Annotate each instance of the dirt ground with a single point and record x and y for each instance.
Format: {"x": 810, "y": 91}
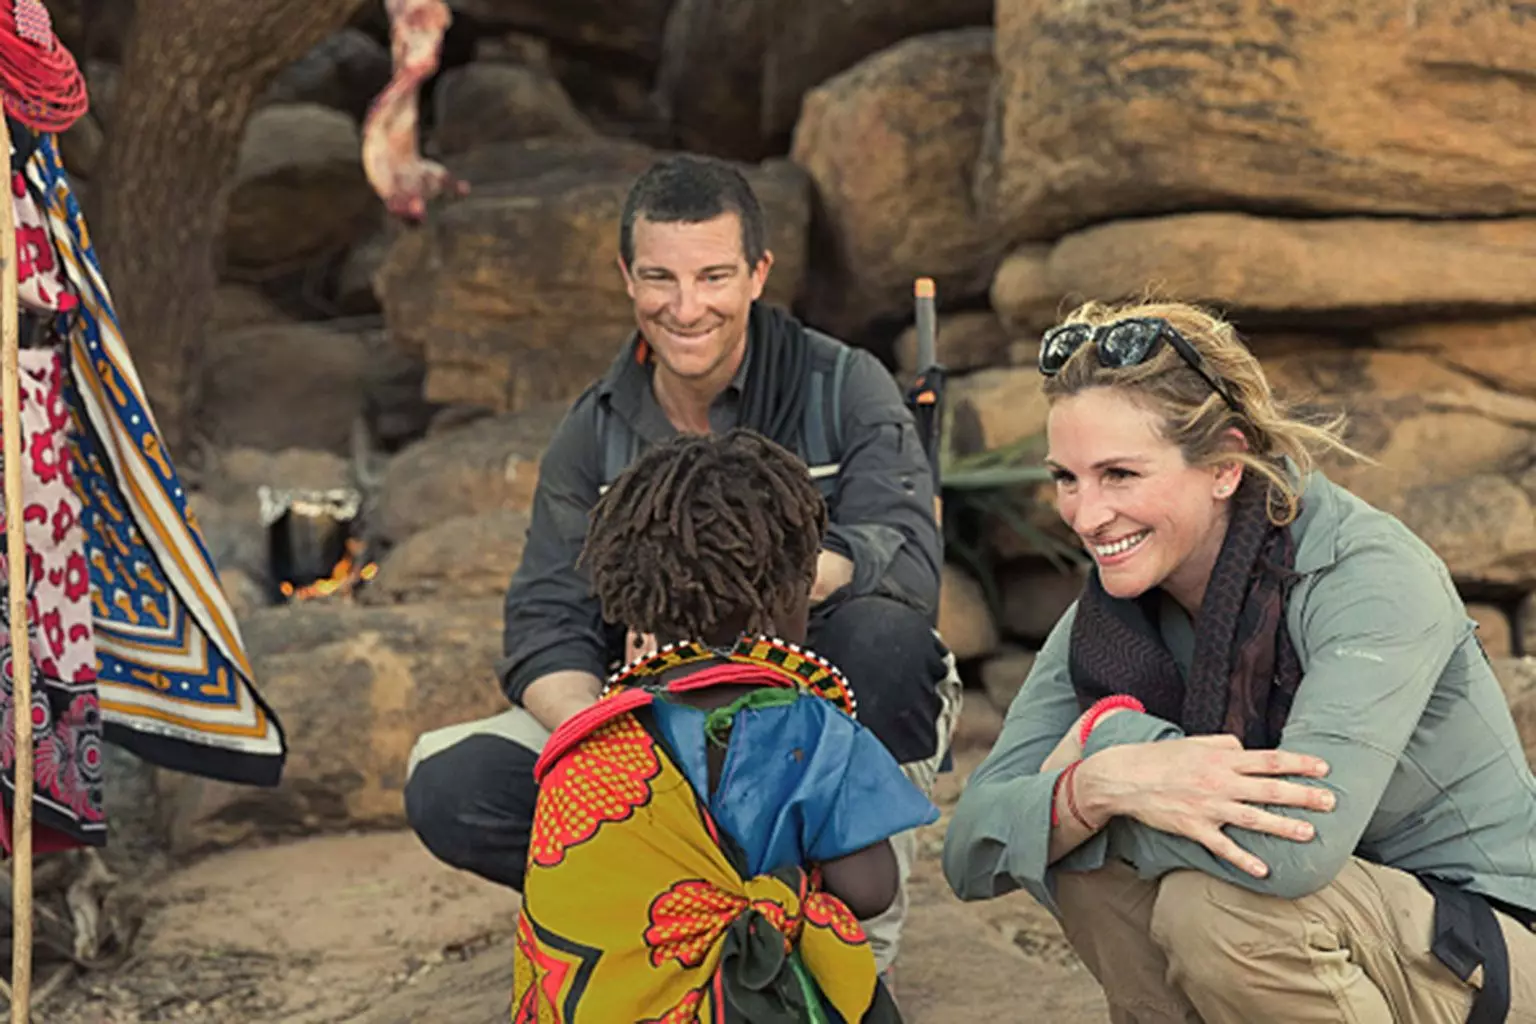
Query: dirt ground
{"x": 370, "y": 929}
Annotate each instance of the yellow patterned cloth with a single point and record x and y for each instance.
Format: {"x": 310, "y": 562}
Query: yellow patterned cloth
{"x": 636, "y": 908}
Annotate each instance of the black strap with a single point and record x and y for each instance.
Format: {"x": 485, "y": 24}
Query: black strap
{"x": 1467, "y": 937}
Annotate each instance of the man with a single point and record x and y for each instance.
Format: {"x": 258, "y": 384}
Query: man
{"x": 708, "y": 357}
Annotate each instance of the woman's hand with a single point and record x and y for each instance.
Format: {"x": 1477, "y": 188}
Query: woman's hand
{"x": 1070, "y": 748}
{"x": 1194, "y": 786}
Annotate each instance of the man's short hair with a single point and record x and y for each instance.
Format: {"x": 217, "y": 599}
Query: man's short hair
{"x": 691, "y": 189}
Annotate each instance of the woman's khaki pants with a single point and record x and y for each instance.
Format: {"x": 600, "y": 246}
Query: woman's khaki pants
{"x": 1190, "y": 948}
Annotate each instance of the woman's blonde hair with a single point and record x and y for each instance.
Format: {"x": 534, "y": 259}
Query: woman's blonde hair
{"x": 1196, "y": 418}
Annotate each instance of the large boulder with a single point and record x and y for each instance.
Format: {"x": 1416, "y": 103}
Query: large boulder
{"x": 1334, "y": 106}
{"x": 513, "y": 294}
{"x": 633, "y": 28}
{"x": 304, "y": 385}
{"x": 345, "y": 71}
{"x": 965, "y": 621}
{"x": 460, "y": 558}
{"x": 486, "y": 466}
{"x": 1381, "y": 269}
{"x": 1518, "y": 677}
{"x": 995, "y": 408}
{"x": 487, "y": 102}
{"x": 919, "y": 105}
{"x": 733, "y": 72}
{"x": 966, "y": 341}
{"x": 354, "y": 687}
{"x": 299, "y": 190}
{"x": 1500, "y": 351}
{"x": 1446, "y": 449}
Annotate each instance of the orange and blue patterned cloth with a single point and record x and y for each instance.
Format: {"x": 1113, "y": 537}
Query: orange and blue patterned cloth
{"x": 172, "y": 680}
{"x": 650, "y": 898}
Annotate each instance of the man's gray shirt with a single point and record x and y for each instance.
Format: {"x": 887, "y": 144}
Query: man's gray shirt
{"x": 881, "y": 508}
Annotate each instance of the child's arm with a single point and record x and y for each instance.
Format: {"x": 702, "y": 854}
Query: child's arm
{"x": 864, "y": 880}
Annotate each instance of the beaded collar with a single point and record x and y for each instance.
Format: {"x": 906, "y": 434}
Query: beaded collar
{"x": 800, "y": 666}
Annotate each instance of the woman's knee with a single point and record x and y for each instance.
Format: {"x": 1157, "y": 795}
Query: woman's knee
{"x": 1203, "y": 925}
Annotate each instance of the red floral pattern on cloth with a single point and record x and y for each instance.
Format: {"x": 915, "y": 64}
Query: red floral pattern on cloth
{"x": 604, "y": 780}
{"x": 689, "y": 918}
{"x": 39, "y": 278}
{"x": 685, "y": 1012}
{"x": 66, "y": 717}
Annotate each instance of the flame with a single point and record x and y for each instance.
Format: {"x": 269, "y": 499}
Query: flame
{"x": 344, "y": 577}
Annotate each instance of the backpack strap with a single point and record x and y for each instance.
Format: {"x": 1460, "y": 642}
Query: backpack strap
{"x": 822, "y": 432}
{"x": 620, "y": 445}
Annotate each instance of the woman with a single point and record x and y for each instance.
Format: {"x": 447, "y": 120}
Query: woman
{"x": 709, "y": 834}
{"x": 1262, "y": 767}
{"x": 131, "y": 638}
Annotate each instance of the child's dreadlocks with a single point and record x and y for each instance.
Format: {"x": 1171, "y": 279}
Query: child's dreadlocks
{"x": 703, "y": 531}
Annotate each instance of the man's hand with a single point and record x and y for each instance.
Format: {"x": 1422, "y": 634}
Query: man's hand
{"x": 553, "y": 698}
{"x": 833, "y": 571}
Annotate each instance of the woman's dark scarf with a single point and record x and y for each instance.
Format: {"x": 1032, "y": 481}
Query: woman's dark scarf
{"x": 1245, "y": 672}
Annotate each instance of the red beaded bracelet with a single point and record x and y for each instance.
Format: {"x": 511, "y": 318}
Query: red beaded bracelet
{"x": 1103, "y": 707}
{"x": 1064, "y": 779}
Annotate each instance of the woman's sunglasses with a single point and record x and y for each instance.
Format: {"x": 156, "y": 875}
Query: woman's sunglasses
{"x": 1125, "y": 343}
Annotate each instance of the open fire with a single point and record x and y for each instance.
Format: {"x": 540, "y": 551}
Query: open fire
{"x": 315, "y": 544}
{"x": 347, "y": 575}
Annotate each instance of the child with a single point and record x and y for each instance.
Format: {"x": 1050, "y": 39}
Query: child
{"x": 710, "y": 832}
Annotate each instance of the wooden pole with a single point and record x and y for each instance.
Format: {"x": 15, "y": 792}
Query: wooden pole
{"x": 21, "y": 654}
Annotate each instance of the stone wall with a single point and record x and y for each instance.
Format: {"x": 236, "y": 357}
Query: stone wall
{"x": 1350, "y": 182}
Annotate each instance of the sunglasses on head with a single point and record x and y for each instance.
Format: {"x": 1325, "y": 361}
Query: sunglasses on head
{"x": 1125, "y": 343}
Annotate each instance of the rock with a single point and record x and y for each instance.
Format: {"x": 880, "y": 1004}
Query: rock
{"x": 228, "y": 508}
{"x": 732, "y": 74}
{"x": 1390, "y": 270}
{"x": 920, "y": 105}
{"x": 1483, "y": 525}
{"x": 1326, "y": 106}
{"x": 549, "y": 227}
{"x": 490, "y": 465}
{"x": 1500, "y": 351}
{"x": 1003, "y": 675}
{"x": 482, "y": 103}
{"x": 1022, "y": 293}
{"x": 80, "y": 147}
{"x": 1447, "y": 451}
{"x": 1525, "y": 625}
{"x": 633, "y": 28}
{"x": 1035, "y": 596}
{"x": 1493, "y": 629}
{"x": 514, "y": 48}
{"x": 461, "y": 558}
{"x": 354, "y": 295}
{"x": 614, "y": 96}
{"x": 966, "y": 341}
{"x": 101, "y": 81}
{"x": 355, "y": 686}
{"x": 237, "y": 306}
{"x": 236, "y": 473}
{"x": 290, "y": 386}
{"x": 299, "y": 190}
{"x": 995, "y": 408}
{"x": 344, "y": 72}
{"x": 1518, "y": 677}
{"x": 965, "y": 621}
{"x": 236, "y": 540}
{"x": 243, "y": 593}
